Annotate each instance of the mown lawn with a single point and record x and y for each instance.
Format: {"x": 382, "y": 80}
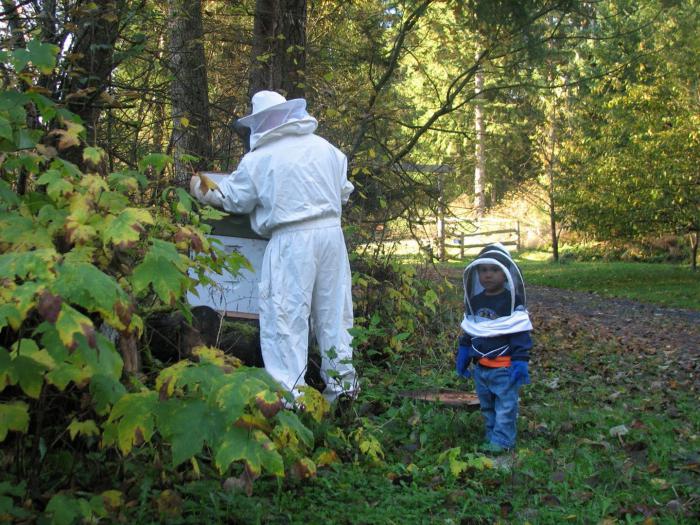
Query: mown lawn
{"x": 665, "y": 284}
{"x": 669, "y": 285}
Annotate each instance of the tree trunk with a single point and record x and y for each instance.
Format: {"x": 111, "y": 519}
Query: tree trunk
{"x": 442, "y": 255}
{"x": 189, "y": 89}
{"x": 160, "y": 125}
{"x": 479, "y": 153}
{"x": 551, "y": 160}
{"x": 279, "y": 47}
{"x": 94, "y": 52}
{"x": 694, "y": 237}
{"x": 14, "y": 24}
{"x": 553, "y": 228}
{"x": 128, "y": 347}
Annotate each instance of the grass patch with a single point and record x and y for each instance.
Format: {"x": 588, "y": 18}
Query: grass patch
{"x": 668, "y": 285}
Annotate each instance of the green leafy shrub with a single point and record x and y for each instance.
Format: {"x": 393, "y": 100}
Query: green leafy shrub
{"x": 654, "y": 250}
{"x": 395, "y": 310}
{"x": 83, "y": 255}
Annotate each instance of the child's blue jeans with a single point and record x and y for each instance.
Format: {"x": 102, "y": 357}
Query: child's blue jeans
{"x": 499, "y": 404}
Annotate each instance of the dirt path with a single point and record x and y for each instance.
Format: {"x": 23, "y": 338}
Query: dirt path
{"x": 632, "y": 324}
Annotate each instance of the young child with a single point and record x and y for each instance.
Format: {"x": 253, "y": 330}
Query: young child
{"x": 496, "y": 337}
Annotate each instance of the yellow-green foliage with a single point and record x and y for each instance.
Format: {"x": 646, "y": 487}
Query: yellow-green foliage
{"x": 80, "y": 258}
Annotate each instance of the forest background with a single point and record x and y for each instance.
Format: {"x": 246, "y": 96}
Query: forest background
{"x": 574, "y": 117}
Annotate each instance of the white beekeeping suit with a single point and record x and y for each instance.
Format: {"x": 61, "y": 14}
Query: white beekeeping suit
{"x": 293, "y": 184}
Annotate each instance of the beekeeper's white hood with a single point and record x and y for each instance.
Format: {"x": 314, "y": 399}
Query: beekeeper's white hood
{"x": 275, "y": 116}
{"x": 519, "y": 319}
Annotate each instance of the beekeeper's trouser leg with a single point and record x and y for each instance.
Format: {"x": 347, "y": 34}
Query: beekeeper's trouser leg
{"x": 306, "y": 274}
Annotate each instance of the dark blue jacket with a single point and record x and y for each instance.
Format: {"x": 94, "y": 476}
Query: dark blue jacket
{"x": 516, "y": 345}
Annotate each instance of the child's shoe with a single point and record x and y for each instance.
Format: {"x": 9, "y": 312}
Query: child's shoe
{"x": 493, "y": 448}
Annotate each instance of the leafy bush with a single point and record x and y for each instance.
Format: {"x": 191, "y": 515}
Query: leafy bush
{"x": 82, "y": 257}
{"x": 395, "y": 310}
{"x": 667, "y": 249}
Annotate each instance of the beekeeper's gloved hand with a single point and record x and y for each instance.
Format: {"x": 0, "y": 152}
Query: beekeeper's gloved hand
{"x": 519, "y": 373}
{"x": 463, "y": 357}
{"x": 213, "y": 198}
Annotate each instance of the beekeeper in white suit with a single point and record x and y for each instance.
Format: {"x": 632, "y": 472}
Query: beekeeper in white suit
{"x": 293, "y": 184}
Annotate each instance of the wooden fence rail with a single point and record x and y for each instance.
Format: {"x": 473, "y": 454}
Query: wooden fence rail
{"x": 460, "y": 238}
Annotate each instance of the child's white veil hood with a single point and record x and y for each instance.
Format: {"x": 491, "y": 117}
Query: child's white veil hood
{"x": 519, "y": 319}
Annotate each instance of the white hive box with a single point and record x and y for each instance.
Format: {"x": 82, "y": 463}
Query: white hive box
{"x": 233, "y": 295}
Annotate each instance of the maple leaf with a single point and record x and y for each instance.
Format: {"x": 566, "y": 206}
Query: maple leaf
{"x": 51, "y": 221}
{"x": 164, "y": 269}
{"x": 8, "y": 375}
{"x": 94, "y": 155}
{"x": 303, "y": 468}
{"x": 68, "y": 137}
{"x": 86, "y": 428}
{"x": 30, "y": 375}
{"x": 94, "y": 184}
{"x": 25, "y": 365}
{"x": 65, "y": 373}
{"x": 250, "y": 421}
{"x": 64, "y": 509}
{"x": 85, "y": 285}
{"x": 5, "y": 129}
{"x": 254, "y": 449}
{"x": 315, "y": 404}
{"x": 35, "y": 264}
{"x": 156, "y": 161}
{"x": 105, "y": 390}
{"x": 289, "y": 420}
{"x": 131, "y": 421}
{"x": 42, "y": 55}
{"x": 237, "y": 393}
{"x": 188, "y": 375}
{"x": 127, "y": 180}
{"x": 82, "y": 363}
{"x": 216, "y": 356}
{"x": 77, "y": 227}
{"x": 13, "y": 416}
{"x": 187, "y": 424}
{"x": 70, "y": 323}
{"x": 186, "y": 237}
{"x": 29, "y": 348}
{"x": 100, "y": 358}
{"x": 49, "y": 306}
{"x": 207, "y": 183}
{"x": 23, "y": 300}
{"x": 25, "y": 234}
{"x": 126, "y": 228}
{"x": 10, "y": 316}
{"x": 269, "y": 403}
{"x": 324, "y": 457}
{"x": 167, "y": 380}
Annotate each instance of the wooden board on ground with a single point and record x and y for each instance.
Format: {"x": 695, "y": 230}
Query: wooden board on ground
{"x": 446, "y": 397}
